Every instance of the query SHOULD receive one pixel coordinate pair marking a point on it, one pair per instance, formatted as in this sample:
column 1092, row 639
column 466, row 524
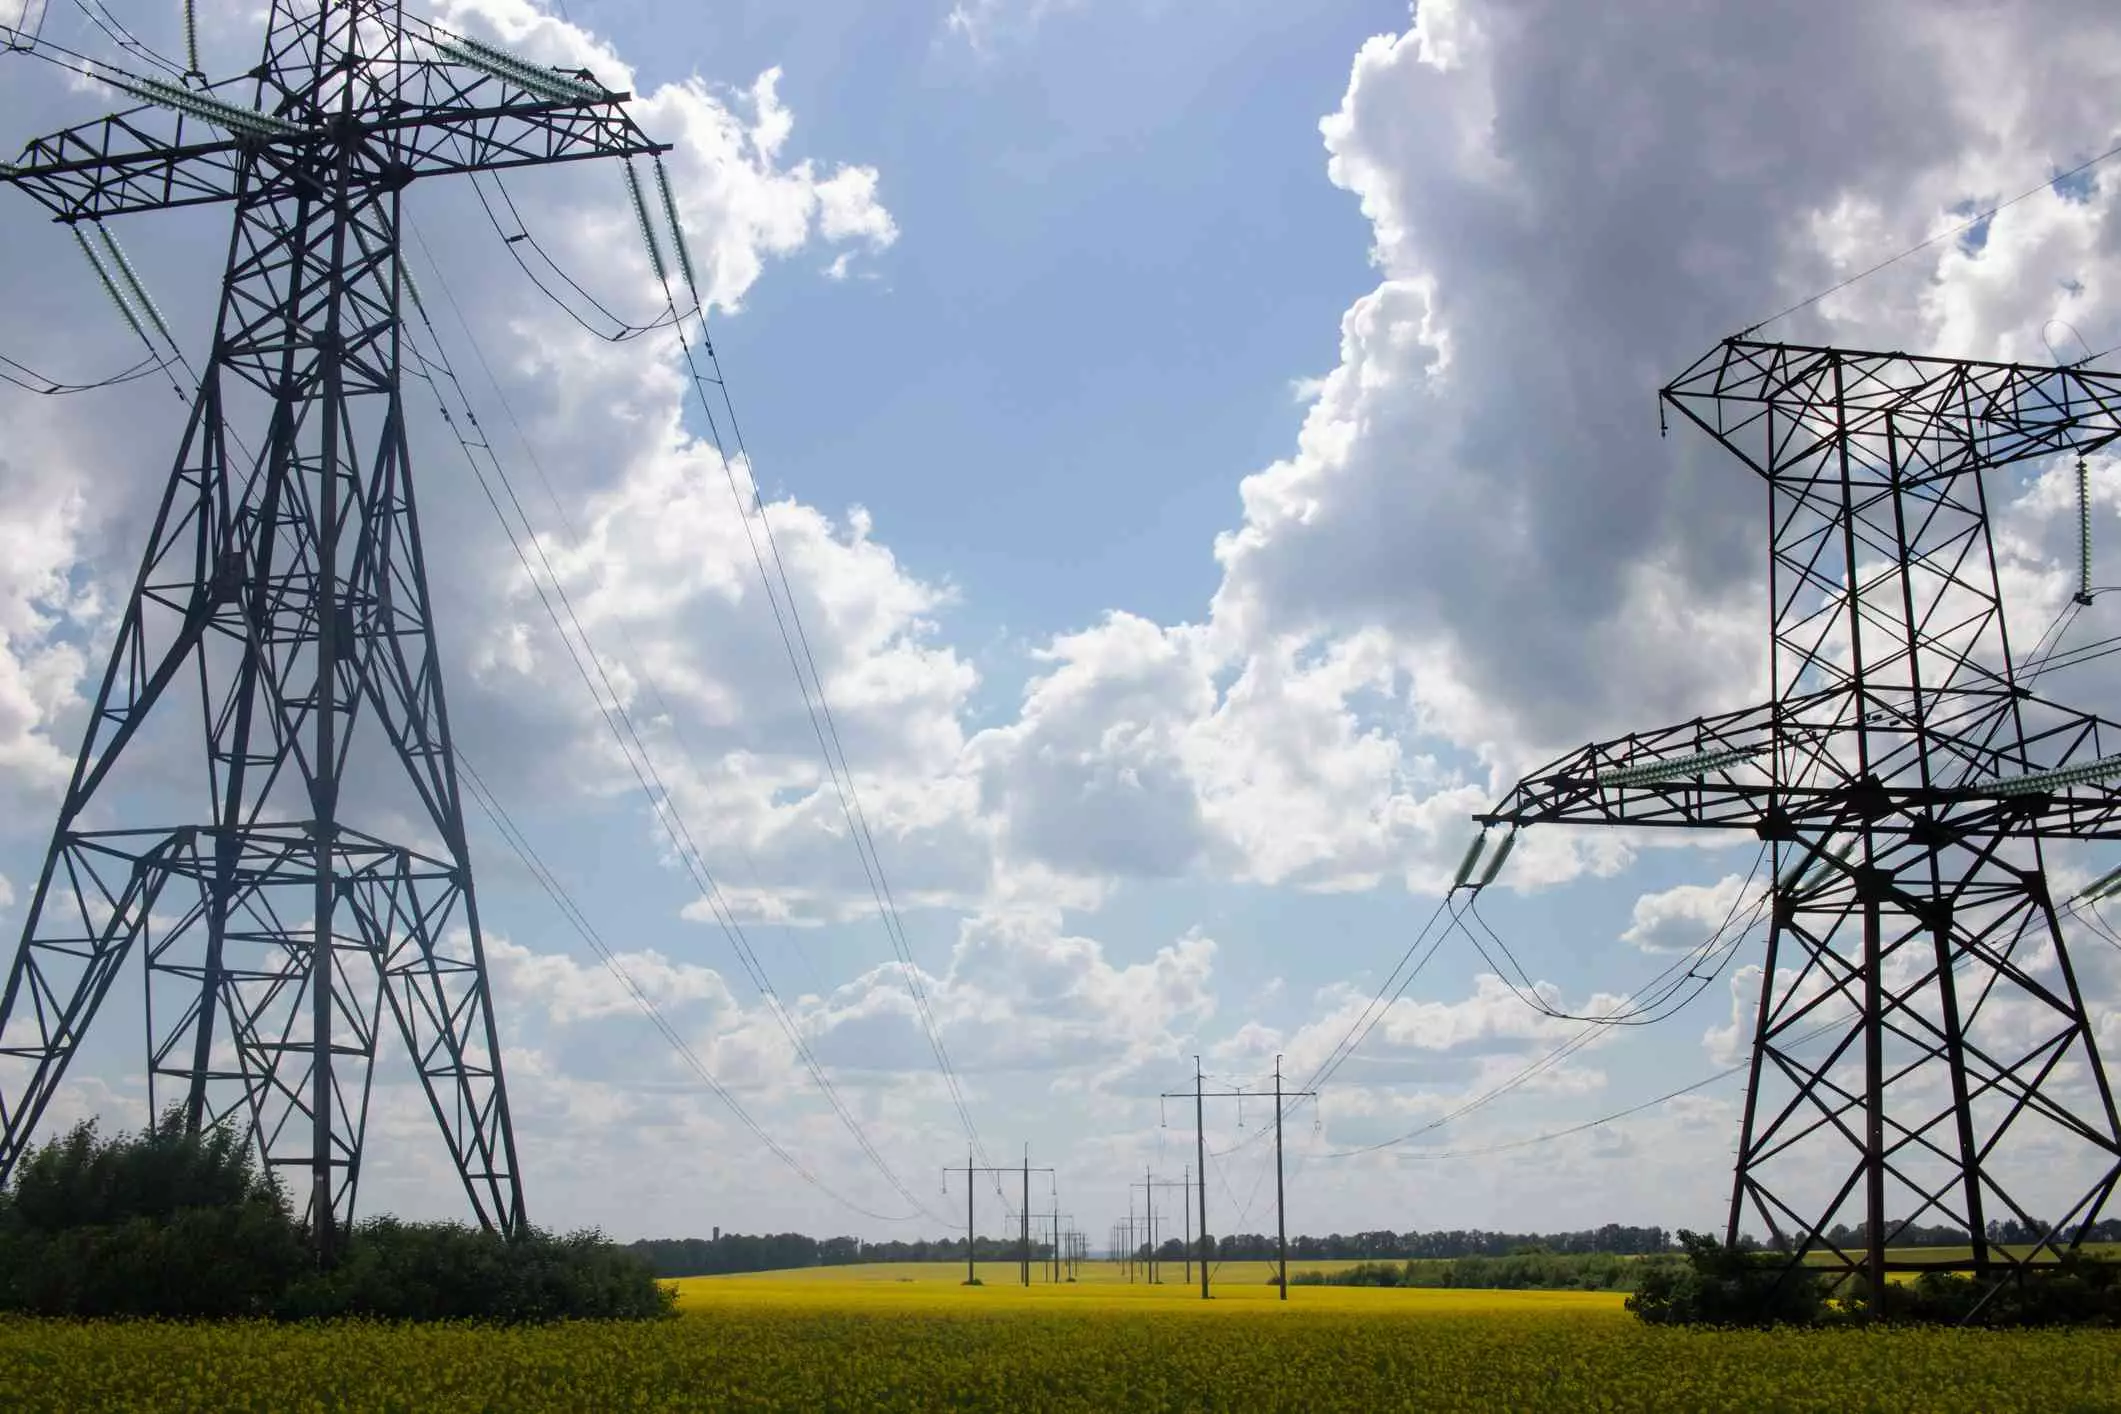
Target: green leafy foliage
column 1719, row 1286
column 446, row 1271
column 2078, row 1291
column 1531, row 1270
column 164, row 1223
column 180, row 1224
column 1725, row 1286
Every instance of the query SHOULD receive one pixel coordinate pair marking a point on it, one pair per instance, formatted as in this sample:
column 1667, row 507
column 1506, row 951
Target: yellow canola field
column 913, row 1338
column 1235, row 1287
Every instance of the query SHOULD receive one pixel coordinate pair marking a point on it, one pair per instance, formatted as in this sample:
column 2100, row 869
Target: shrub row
column 182, row 1225
column 1523, row 1271
column 1721, row 1286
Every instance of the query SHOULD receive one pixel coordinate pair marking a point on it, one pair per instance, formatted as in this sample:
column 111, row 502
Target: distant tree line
column 1527, row 1270
column 1850, row 1237
column 1381, row 1246
column 728, row 1252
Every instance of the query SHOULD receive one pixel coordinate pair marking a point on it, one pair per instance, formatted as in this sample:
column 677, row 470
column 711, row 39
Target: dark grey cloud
column 1573, row 203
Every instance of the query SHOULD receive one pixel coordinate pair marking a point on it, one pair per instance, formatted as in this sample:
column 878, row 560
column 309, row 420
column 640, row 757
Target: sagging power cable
column 788, row 619
column 519, row 843
column 433, row 368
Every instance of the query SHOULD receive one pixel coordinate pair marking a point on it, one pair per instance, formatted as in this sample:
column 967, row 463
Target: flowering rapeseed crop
column 913, row 1338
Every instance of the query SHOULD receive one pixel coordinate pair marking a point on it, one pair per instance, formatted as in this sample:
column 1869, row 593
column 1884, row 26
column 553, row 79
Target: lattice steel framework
column 290, row 583
column 1922, row 1051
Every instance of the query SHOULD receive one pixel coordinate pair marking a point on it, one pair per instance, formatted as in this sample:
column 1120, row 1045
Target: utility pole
column 1149, row 1224
column 1185, row 1204
column 1908, row 778
column 1149, row 1185
column 1200, row 1146
column 1199, row 1095
column 291, row 586
column 1059, row 1256
column 970, row 1170
column 1281, row 1210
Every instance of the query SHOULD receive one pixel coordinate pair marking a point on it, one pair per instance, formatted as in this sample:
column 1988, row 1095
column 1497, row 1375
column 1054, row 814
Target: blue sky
column 1115, row 280
column 1248, row 502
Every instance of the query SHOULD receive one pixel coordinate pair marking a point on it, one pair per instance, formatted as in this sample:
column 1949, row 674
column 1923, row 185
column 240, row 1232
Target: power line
column 1664, row 1000
column 618, row 720
column 795, row 640
column 1549, row 1138
column 1923, row 245
column 99, row 15
column 30, row 380
column 1365, row 1022
column 1701, row 1084
column 635, row 661
column 625, row 331
column 519, row 843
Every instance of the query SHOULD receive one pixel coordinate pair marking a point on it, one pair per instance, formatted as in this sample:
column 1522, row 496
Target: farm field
column 910, row 1337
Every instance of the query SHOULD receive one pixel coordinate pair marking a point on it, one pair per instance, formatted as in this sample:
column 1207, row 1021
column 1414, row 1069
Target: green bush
column 2080, row 1290
column 1717, row 1285
column 163, row 1223
column 393, row 1270
column 1530, row 1270
column 183, row 1225
column 1361, row 1274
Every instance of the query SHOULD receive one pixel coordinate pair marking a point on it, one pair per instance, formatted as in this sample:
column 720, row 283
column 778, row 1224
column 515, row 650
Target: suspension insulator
column 677, row 231
column 1465, row 866
column 412, row 288
column 640, row 214
column 1509, row 842
column 191, row 41
column 110, row 287
column 2084, row 532
column 2106, row 884
column 133, row 283
column 1820, row 875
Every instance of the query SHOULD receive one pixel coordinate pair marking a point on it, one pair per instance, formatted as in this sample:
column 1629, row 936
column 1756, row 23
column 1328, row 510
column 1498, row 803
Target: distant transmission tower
column 1922, row 1051
column 288, row 587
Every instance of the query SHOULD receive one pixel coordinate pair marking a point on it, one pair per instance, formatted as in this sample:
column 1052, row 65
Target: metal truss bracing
column 284, row 579
column 1921, row 1052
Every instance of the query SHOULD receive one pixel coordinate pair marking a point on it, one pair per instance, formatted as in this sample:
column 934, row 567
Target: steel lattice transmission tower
column 1922, row 1051
column 285, row 584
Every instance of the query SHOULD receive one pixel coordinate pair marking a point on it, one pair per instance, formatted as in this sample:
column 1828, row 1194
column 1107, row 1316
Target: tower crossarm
column 1903, row 420
column 143, row 159
column 1710, row 771
column 431, row 117
column 1781, row 770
